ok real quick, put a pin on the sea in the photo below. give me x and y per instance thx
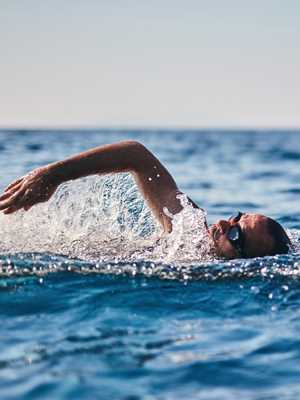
(96, 302)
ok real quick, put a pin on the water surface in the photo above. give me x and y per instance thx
(92, 306)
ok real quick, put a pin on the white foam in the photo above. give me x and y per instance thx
(104, 218)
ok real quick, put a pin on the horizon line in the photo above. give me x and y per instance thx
(87, 127)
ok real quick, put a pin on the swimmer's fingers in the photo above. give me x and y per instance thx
(11, 189)
(26, 192)
(29, 203)
(5, 196)
(28, 207)
(18, 205)
(10, 192)
(12, 200)
(10, 210)
(13, 184)
(23, 202)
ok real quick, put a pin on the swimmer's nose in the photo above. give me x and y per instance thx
(224, 225)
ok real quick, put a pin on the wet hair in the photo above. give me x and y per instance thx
(282, 243)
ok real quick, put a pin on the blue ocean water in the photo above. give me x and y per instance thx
(88, 311)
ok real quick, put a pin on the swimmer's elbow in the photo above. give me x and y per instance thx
(134, 145)
(137, 153)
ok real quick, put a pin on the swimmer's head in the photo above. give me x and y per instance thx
(249, 235)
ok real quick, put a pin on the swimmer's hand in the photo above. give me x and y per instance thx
(36, 187)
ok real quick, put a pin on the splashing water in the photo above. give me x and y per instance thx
(189, 240)
(105, 218)
(104, 222)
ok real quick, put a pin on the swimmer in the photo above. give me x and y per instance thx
(243, 236)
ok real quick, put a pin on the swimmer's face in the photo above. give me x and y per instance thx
(245, 235)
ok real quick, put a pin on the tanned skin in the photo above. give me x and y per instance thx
(156, 184)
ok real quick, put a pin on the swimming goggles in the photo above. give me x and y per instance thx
(235, 235)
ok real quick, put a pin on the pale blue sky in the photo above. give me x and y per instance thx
(187, 63)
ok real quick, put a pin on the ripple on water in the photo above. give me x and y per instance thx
(95, 301)
(40, 264)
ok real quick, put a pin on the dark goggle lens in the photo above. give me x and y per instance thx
(233, 234)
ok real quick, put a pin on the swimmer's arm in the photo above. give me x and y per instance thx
(154, 181)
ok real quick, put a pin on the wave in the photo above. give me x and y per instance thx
(42, 264)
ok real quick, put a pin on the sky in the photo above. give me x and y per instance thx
(150, 63)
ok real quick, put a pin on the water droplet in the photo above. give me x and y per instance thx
(149, 179)
(285, 287)
(41, 280)
(255, 289)
(270, 296)
(157, 176)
